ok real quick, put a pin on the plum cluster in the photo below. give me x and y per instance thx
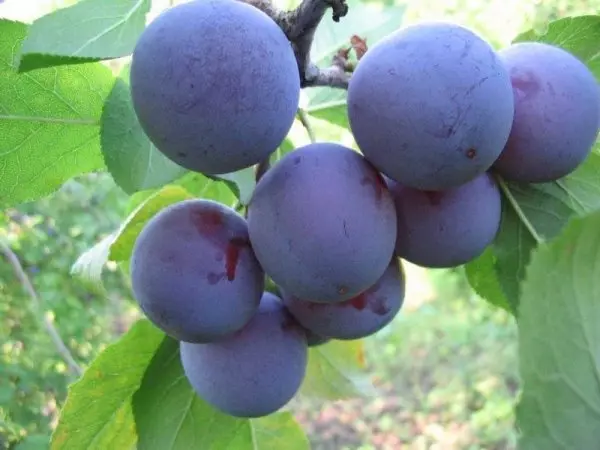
(437, 114)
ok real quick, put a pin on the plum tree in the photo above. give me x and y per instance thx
(194, 273)
(557, 113)
(446, 228)
(322, 223)
(431, 106)
(255, 371)
(215, 85)
(358, 317)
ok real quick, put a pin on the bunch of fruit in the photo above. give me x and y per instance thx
(437, 114)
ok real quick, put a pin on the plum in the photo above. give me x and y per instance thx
(447, 228)
(322, 223)
(194, 273)
(431, 106)
(257, 370)
(215, 85)
(557, 113)
(358, 317)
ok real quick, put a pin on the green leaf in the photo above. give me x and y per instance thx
(98, 413)
(49, 122)
(90, 263)
(370, 22)
(536, 212)
(483, 278)
(132, 160)
(559, 342)
(121, 248)
(196, 184)
(90, 30)
(578, 35)
(118, 245)
(336, 371)
(241, 183)
(170, 416)
(284, 148)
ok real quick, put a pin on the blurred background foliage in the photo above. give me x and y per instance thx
(446, 368)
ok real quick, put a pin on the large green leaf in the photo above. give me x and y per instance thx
(369, 21)
(536, 212)
(133, 161)
(336, 371)
(531, 214)
(90, 30)
(559, 342)
(578, 35)
(483, 278)
(49, 122)
(98, 412)
(170, 416)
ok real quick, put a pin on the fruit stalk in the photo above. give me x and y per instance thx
(300, 25)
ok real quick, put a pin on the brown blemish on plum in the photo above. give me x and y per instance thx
(207, 222)
(471, 153)
(359, 302)
(297, 160)
(342, 290)
(232, 255)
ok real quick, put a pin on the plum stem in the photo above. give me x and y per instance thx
(515, 205)
(305, 121)
(300, 25)
(37, 308)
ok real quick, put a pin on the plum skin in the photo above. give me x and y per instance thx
(449, 228)
(358, 317)
(215, 85)
(254, 372)
(431, 106)
(557, 112)
(193, 271)
(322, 223)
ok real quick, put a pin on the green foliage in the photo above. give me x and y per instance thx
(577, 35)
(558, 342)
(537, 212)
(169, 415)
(105, 29)
(97, 413)
(63, 115)
(49, 122)
(132, 160)
(336, 371)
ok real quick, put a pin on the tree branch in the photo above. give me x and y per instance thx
(61, 347)
(300, 25)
